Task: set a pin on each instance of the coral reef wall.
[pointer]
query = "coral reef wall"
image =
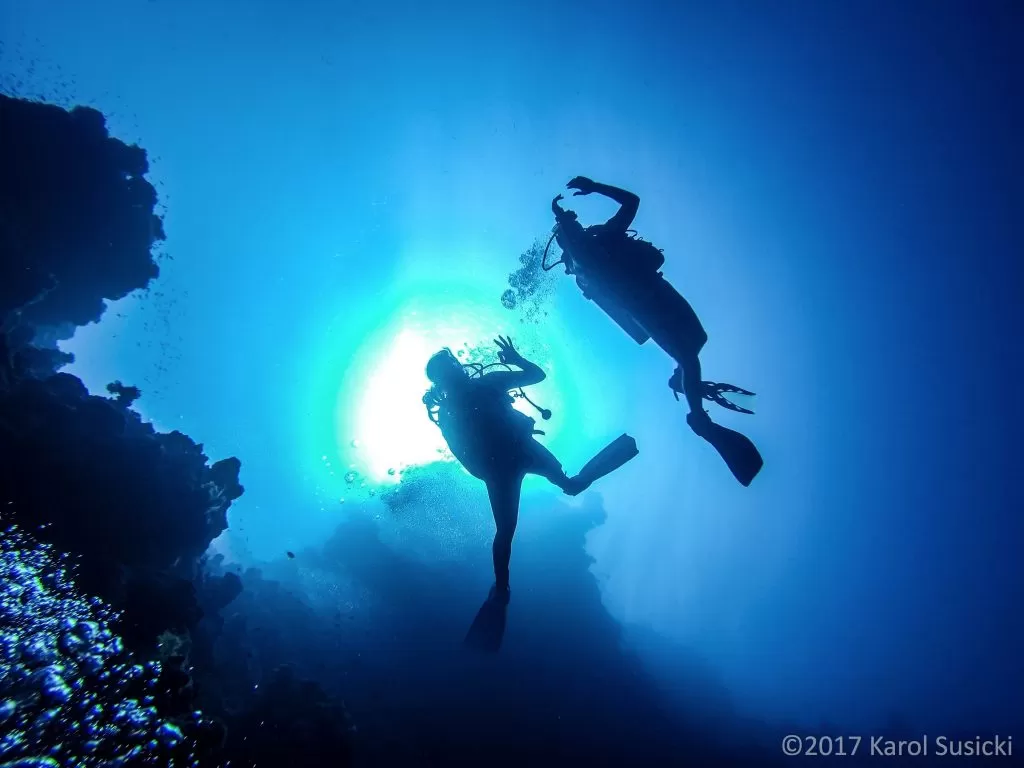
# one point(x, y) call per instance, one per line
point(76, 215)
point(110, 611)
point(138, 507)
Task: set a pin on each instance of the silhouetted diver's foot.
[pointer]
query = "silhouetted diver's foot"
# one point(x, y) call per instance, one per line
point(574, 486)
point(500, 593)
point(675, 383)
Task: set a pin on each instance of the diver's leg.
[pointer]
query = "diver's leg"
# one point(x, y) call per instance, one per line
point(544, 463)
point(693, 388)
point(680, 333)
point(504, 494)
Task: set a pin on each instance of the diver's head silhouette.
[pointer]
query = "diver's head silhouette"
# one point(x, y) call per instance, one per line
point(444, 369)
point(562, 215)
point(567, 224)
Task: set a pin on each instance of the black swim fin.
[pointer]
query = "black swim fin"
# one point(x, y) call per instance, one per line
point(488, 628)
point(738, 452)
point(612, 456)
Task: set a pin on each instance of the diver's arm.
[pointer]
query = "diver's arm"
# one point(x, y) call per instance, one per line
point(628, 202)
point(509, 380)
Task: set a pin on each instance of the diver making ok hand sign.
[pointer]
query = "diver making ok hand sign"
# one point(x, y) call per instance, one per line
point(496, 443)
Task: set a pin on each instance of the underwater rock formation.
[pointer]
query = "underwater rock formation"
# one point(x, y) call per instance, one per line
point(291, 721)
point(562, 691)
point(76, 215)
point(70, 694)
point(252, 670)
point(139, 507)
point(113, 680)
point(107, 485)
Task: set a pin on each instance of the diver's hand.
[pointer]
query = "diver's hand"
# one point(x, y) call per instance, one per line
point(507, 353)
point(582, 185)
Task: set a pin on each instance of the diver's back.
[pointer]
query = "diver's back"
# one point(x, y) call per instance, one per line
point(482, 429)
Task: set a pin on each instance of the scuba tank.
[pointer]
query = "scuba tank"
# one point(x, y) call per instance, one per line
point(617, 313)
point(577, 250)
point(481, 426)
point(494, 406)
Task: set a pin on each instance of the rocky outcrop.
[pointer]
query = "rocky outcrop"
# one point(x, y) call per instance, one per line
point(77, 219)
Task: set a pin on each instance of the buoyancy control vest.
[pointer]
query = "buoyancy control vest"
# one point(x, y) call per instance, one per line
point(481, 427)
point(628, 248)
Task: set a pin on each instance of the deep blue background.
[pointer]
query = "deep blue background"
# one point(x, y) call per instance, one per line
point(840, 192)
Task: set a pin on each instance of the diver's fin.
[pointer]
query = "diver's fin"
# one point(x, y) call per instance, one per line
point(488, 628)
point(716, 392)
point(738, 452)
point(612, 456)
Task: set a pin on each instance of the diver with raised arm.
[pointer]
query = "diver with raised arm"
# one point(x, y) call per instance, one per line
point(621, 274)
point(496, 443)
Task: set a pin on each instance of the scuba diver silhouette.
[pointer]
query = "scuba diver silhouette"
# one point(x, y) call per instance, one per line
point(495, 442)
point(620, 273)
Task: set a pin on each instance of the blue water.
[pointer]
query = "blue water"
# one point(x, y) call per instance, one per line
point(839, 190)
